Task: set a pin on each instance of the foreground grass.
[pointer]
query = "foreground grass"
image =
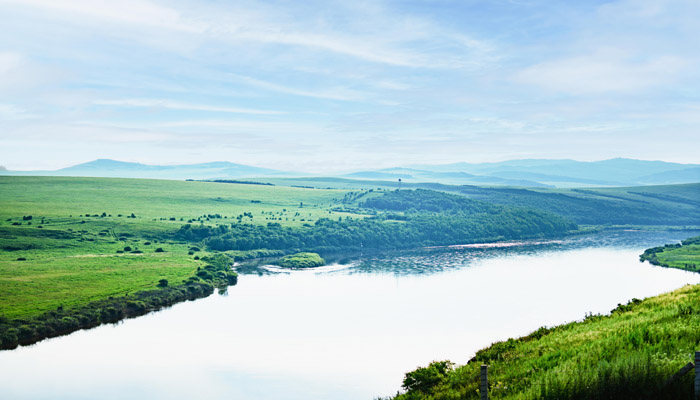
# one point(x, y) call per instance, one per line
point(627, 354)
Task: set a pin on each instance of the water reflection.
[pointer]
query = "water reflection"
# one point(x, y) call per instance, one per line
point(431, 260)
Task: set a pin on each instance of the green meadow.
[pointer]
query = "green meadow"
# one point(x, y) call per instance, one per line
point(630, 353)
point(73, 245)
point(684, 256)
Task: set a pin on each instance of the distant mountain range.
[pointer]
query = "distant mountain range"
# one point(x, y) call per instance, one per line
point(528, 172)
point(545, 173)
point(120, 169)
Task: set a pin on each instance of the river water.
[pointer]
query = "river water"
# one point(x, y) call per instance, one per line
point(346, 331)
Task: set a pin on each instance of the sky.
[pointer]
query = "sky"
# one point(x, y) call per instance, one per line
point(324, 86)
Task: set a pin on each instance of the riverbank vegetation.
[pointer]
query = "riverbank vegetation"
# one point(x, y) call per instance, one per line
point(630, 353)
point(685, 255)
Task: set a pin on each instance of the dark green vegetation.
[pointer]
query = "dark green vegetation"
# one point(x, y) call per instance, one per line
point(670, 205)
point(682, 256)
point(301, 260)
point(629, 354)
point(402, 219)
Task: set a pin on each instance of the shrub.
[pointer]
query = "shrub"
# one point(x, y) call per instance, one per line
point(301, 260)
point(160, 250)
point(422, 379)
point(163, 283)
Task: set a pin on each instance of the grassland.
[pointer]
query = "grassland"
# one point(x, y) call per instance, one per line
point(628, 354)
point(71, 258)
point(685, 256)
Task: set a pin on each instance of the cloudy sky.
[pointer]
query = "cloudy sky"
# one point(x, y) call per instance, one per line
point(328, 86)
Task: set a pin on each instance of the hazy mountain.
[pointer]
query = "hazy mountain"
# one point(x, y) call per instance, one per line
point(455, 178)
point(526, 173)
point(613, 172)
point(381, 175)
point(677, 176)
point(121, 169)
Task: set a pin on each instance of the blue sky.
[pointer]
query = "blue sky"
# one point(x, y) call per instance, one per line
point(329, 86)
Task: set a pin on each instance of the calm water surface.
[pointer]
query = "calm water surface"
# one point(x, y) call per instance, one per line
point(346, 331)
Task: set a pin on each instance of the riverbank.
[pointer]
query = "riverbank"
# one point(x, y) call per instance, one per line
point(629, 353)
point(685, 256)
point(62, 321)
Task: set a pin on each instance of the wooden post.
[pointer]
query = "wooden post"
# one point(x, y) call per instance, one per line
point(485, 381)
point(697, 375)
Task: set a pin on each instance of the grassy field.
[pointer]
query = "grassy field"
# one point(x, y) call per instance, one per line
point(628, 354)
point(60, 197)
point(685, 256)
point(71, 258)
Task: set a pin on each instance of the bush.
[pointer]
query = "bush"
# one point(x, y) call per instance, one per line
point(301, 260)
point(163, 283)
point(127, 248)
point(160, 250)
point(423, 379)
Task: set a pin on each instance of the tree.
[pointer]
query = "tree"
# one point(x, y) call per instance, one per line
point(422, 379)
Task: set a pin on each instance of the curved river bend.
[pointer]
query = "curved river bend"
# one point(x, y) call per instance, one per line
point(344, 331)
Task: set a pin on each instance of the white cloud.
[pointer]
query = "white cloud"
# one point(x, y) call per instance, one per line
point(17, 73)
point(377, 36)
point(337, 93)
point(605, 72)
point(12, 112)
point(125, 11)
point(174, 105)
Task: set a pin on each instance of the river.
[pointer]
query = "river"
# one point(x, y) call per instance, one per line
point(345, 331)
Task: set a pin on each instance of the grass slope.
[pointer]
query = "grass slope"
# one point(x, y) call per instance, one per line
point(666, 205)
point(71, 259)
point(627, 354)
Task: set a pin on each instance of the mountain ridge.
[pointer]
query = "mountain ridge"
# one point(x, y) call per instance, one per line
point(519, 172)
